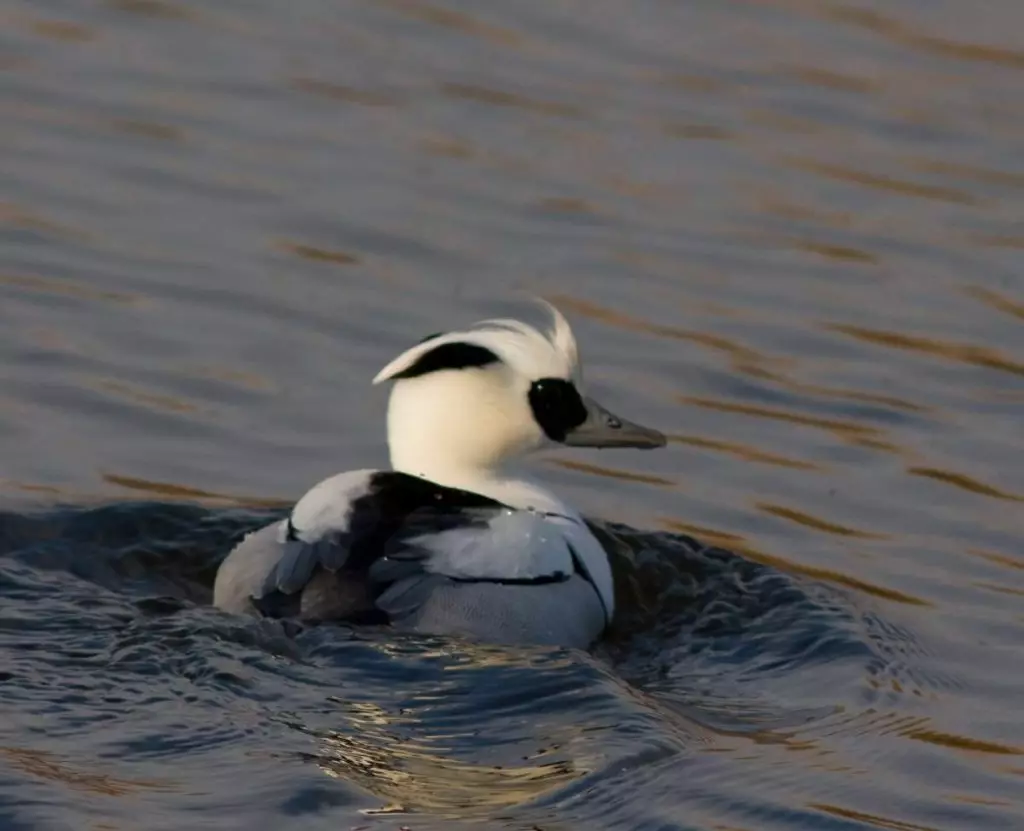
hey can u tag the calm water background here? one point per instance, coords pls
(789, 232)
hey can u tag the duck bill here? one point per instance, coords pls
(603, 428)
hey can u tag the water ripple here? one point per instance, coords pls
(786, 232)
(419, 726)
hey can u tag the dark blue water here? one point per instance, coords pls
(727, 689)
(788, 233)
(133, 698)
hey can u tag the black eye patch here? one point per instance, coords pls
(557, 406)
(449, 356)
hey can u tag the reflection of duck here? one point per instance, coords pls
(446, 542)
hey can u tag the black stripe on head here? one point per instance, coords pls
(449, 356)
(557, 406)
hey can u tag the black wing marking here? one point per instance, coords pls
(338, 570)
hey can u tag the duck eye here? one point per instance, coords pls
(557, 407)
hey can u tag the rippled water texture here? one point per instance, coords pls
(788, 232)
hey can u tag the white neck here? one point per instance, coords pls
(460, 429)
(500, 483)
(436, 463)
(452, 451)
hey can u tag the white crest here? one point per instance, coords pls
(536, 354)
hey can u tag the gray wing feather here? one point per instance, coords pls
(318, 533)
(299, 559)
(405, 597)
(351, 544)
(474, 545)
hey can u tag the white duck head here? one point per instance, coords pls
(467, 403)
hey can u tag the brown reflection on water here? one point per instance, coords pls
(456, 21)
(830, 79)
(501, 98)
(343, 93)
(786, 123)
(156, 401)
(317, 255)
(62, 30)
(1001, 241)
(738, 544)
(876, 820)
(904, 34)
(964, 482)
(992, 587)
(448, 147)
(979, 800)
(11, 214)
(156, 9)
(612, 473)
(816, 523)
(997, 301)
(965, 743)
(884, 183)
(148, 129)
(46, 285)
(712, 536)
(873, 722)
(843, 253)
(771, 201)
(985, 175)
(998, 559)
(251, 381)
(64, 494)
(743, 358)
(30, 487)
(847, 431)
(690, 131)
(744, 452)
(169, 490)
(687, 81)
(45, 765)
(567, 205)
(858, 395)
(959, 352)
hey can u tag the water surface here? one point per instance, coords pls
(787, 232)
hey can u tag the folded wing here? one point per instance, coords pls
(369, 546)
